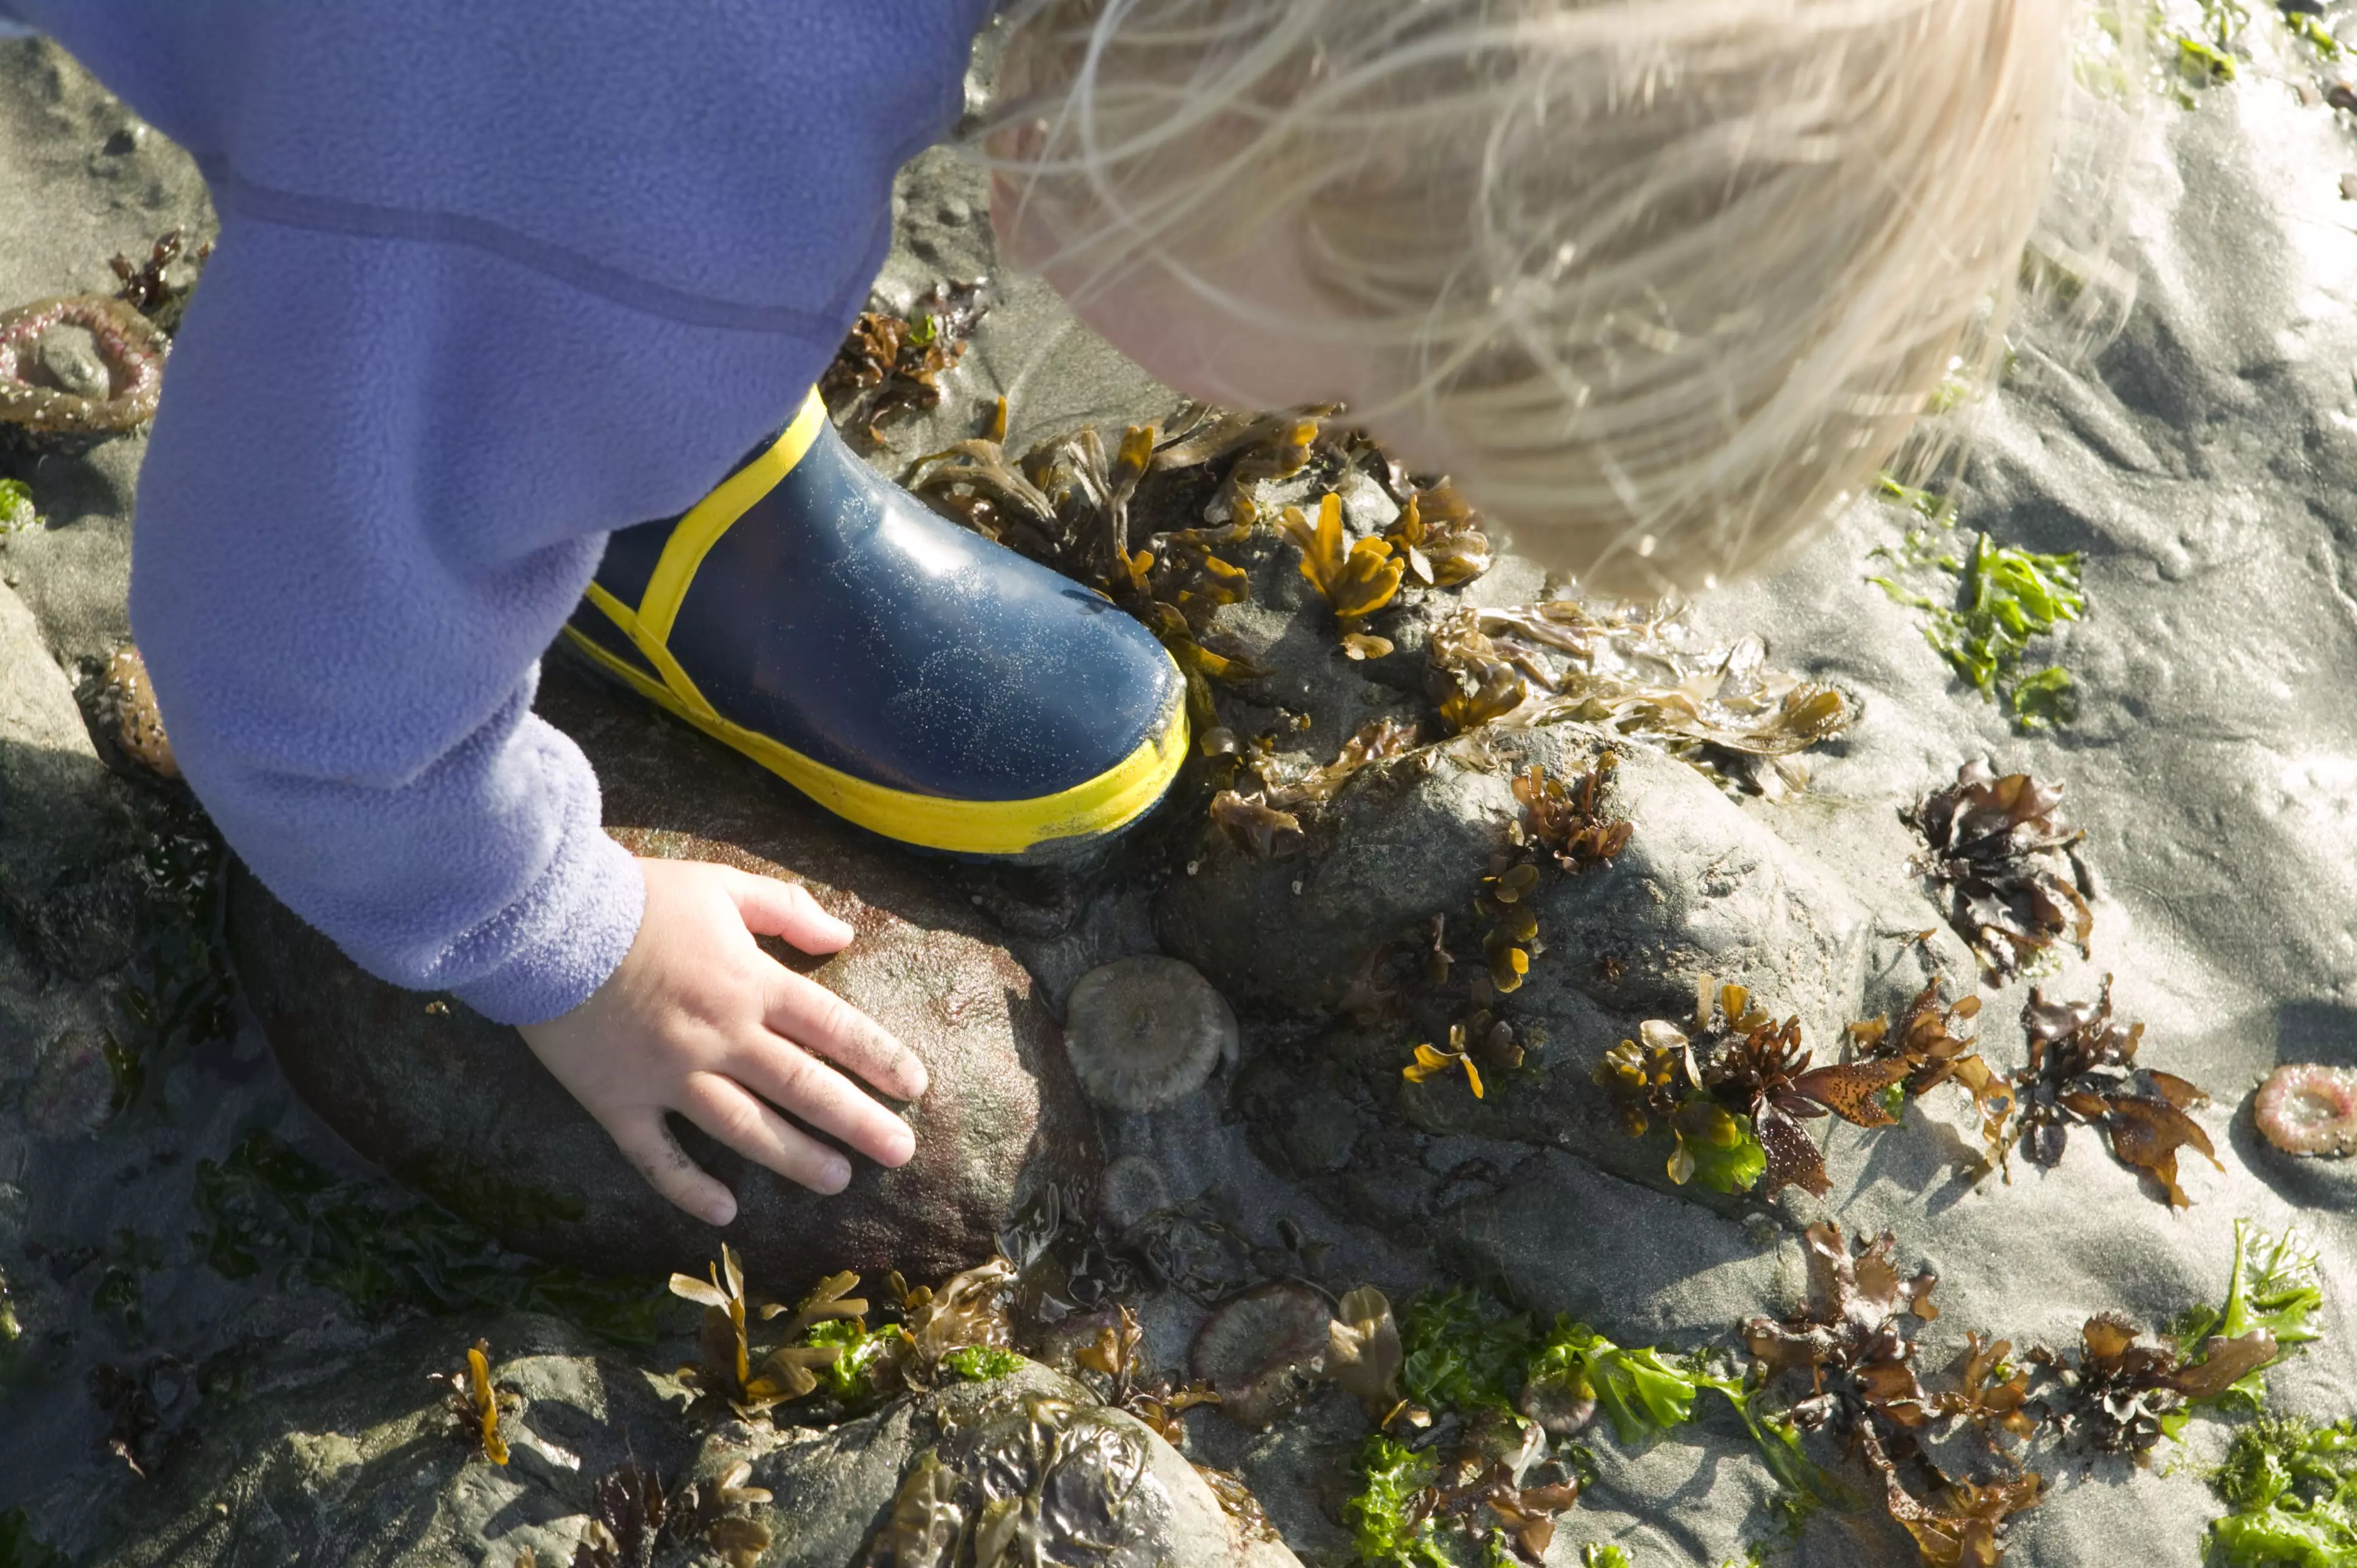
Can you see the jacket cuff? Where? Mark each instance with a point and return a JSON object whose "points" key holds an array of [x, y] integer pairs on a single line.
{"points": [[585, 914]]}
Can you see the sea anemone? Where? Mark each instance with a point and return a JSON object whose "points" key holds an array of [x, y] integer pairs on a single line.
{"points": [[1262, 1349], [2306, 1108], [1145, 1032], [129, 346]]}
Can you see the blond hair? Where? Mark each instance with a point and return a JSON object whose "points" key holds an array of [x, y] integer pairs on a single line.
{"points": [[1674, 277]]}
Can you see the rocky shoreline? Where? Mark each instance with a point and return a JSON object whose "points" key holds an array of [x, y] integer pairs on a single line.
{"points": [[220, 1312]]}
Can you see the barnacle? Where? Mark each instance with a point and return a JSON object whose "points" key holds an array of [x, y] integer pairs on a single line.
{"points": [[2082, 1072], [1565, 820], [891, 363], [476, 1404], [1357, 582], [2008, 859], [1635, 672]]}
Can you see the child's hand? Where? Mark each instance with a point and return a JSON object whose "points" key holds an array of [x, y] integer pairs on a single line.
{"points": [[699, 1020]]}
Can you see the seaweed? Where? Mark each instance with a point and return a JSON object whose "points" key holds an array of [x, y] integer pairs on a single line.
{"points": [[2274, 1284], [1655, 1084], [1130, 1386], [2010, 860], [1563, 820], [147, 286], [981, 1363], [1637, 673], [1762, 1069], [2129, 1388], [264, 1202], [1357, 581], [2291, 1491], [1365, 1355], [725, 1368], [1925, 1043], [20, 1548], [18, 512], [1644, 1393], [1854, 1344], [2004, 598], [1437, 537], [1389, 1514], [1431, 1059], [890, 365], [1991, 1390], [2082, 1072], [476, 1405]]}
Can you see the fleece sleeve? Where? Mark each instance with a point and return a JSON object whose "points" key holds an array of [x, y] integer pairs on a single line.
{"points": [[380, 477]]}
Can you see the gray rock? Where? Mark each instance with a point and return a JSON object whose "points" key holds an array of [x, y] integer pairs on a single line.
{"points": [[988, 1441], [81, 179], [460, 1108]]}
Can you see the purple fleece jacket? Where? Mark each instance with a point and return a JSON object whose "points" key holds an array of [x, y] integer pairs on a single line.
{"points": [[492, 280]]}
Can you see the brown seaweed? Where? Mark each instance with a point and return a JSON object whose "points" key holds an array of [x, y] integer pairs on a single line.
{"points": [[2082, 1072], [2126, 1385], [890, 365], [2001, 847], [476, 1405]]}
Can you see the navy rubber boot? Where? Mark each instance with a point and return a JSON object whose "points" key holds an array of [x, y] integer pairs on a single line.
{"points": [[904, 672]]}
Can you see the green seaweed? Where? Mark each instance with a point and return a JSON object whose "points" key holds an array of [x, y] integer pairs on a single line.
{"points": [[1463, 1350], [859, 1349], [2004, 598], [1387, 1526], [981, 1363], [2277, 1284], [20, 1548], [264, 1201], [1596, 1554], [2290, 1489], [1644, 1393], [17, 513]]}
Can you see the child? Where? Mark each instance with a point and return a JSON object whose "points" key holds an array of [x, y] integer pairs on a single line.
{"points": [[1659, 280]]}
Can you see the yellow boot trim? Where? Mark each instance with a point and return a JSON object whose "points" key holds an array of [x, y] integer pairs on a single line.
{"points": [[1090, 810]]}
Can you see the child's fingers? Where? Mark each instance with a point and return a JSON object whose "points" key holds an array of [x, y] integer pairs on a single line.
{"points": [[773, 909], [646, 1143], [818, 1020], [724, 1110], [795, 1081]]}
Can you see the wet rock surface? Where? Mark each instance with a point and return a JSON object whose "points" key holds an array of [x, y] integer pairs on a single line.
{"points": [[459, 1108], [259, 1359]]}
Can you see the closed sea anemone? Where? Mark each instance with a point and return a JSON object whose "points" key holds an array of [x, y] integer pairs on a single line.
{"points": [[1145, 1032], [2307, 1107]]}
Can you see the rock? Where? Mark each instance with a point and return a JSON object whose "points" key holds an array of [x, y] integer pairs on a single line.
{"points": [[1145, 1032], [69, 355], [458, 1107], [1702, 886], [970, 1442], [366, 1462]]}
